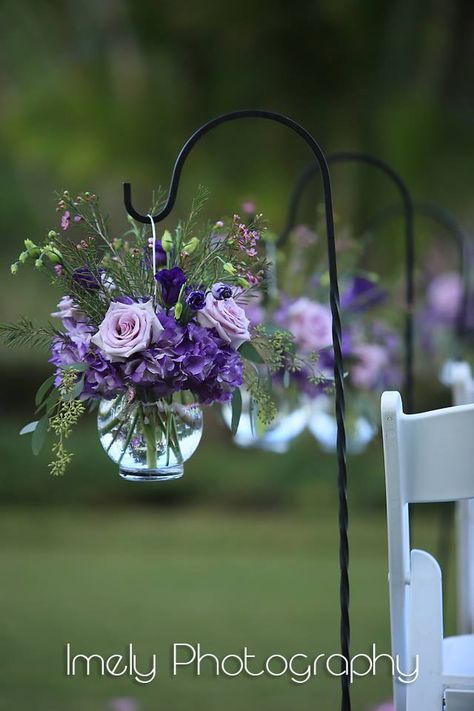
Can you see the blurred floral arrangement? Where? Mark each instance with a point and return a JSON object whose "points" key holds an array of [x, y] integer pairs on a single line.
{"points": [[151, 329], [440, 320], [371, 345]]}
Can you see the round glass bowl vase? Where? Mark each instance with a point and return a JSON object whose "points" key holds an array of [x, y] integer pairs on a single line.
{"points": [[276, 437], [322, 424], [150, 441]]}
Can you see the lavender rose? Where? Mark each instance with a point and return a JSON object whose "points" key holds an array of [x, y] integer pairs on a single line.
{"points": [[228, 318], [444, 296], [309, 322], [372, 359], [127, 329]]}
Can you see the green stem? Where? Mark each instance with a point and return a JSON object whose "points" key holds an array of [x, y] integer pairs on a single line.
{"points": [[148, 430]]}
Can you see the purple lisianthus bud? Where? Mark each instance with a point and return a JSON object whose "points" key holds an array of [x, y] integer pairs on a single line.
{"points": [[196, 300], [221, 291], [160, 254], [171, 281], [58, 270], [86, 278]]}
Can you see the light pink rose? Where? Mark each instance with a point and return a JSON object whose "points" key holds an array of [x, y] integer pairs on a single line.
{"points": [[372, 359], [445, 295], [68, 309], [310, 323], [127, 329], [228, 318]]}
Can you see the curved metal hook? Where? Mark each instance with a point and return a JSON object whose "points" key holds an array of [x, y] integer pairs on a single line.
{"points": [[336, 335], [463, 241], [352, 156]]}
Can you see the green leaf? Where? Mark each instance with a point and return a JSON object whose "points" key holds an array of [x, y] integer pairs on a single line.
{"points": [[43, 389], [39, 435], [49, 403], [76, 391], [30, 427], [248, 351], [236, 410]]}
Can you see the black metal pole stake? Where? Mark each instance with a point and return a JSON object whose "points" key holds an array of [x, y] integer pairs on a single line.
{"points": [[407, 202], [336, 338]]}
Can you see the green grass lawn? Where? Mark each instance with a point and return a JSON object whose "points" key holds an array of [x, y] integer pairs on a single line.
{"points": [[102, 579]]}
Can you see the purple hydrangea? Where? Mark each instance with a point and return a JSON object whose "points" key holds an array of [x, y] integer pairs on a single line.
{"points": [[187, 358], [171, 281], [101, 379]]}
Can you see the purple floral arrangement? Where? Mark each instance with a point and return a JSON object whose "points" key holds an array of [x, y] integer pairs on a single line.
{"points": [[147, 321], [439, 316]]}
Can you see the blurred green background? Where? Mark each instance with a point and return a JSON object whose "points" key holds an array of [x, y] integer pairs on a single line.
{"points": [[243, 550]]}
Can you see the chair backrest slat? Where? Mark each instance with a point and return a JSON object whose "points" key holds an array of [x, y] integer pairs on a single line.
{"points": [[438, 454], [428, 457]]}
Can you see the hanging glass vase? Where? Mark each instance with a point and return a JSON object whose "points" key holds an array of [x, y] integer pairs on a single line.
{"points": [[360, 429], [150, 441], [288, 424]]}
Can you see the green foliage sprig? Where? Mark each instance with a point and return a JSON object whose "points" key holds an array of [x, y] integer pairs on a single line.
{"points": [[66, 414], [25, 333]]}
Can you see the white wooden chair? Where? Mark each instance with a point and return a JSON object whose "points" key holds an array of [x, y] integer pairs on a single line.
{"points": [[459, 377], [428, 457]]}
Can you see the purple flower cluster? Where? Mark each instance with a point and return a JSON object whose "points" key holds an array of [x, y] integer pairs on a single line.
{"points": [[102, 378], [183, 357], [187, 358]]}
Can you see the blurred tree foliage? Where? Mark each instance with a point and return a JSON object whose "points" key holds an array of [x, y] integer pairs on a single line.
{"points": [[95, 92]]}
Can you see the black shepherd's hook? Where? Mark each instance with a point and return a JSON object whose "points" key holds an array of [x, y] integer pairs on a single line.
{"points": [[336, 338], [445, 219], [407, 202]]}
